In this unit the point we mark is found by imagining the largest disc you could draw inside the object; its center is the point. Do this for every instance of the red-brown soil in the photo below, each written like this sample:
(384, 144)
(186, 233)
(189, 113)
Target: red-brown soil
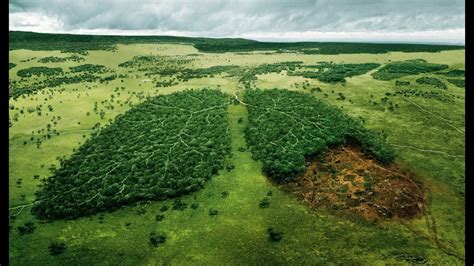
(346, 180)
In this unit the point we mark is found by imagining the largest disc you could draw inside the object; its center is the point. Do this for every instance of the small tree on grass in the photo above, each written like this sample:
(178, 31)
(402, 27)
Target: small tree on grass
(27, 228)
(156, 239)
(56, 248)
(273, 235)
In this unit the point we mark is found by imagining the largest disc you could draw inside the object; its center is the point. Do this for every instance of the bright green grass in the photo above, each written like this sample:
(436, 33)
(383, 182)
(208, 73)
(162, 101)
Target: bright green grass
(238, 234)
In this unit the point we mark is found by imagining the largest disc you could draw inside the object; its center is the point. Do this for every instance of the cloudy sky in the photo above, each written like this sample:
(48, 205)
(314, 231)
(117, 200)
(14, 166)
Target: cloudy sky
(428, 21)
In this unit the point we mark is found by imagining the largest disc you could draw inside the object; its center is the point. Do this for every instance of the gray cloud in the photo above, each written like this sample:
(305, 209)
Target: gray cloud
(219, 18)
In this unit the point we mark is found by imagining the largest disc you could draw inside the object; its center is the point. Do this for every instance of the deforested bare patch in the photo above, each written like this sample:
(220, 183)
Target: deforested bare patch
(346, 180)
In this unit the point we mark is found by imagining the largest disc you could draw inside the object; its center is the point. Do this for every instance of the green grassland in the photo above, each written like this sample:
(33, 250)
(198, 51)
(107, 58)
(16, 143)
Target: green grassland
(427, 135)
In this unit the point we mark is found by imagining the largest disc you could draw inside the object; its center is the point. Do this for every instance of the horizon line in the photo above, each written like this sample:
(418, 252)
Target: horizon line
(263, 39)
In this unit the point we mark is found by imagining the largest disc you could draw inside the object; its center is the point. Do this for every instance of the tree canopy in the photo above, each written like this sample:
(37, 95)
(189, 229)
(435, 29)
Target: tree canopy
(285, 127)
(164, 147)
(404, 68)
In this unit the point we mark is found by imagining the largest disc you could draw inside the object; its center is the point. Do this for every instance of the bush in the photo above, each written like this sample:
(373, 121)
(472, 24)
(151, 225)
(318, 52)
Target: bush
(274, 236)
(402, 83)
(156, 239)
(27, 228)
(230, 167)
(56, 248)
(159, 217)
(179, 205)
(264, 203)
(435, 95)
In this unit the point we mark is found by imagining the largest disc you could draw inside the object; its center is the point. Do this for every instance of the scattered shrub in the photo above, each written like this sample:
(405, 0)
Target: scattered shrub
(402, 83)
(159, 217)
(156, 239)
(56, 248)
(274, 236)
(264, 203)
(27, 228)
(179, 205)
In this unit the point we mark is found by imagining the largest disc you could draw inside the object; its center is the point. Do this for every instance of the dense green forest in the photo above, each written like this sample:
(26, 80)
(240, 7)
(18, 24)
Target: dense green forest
(90, 68)
(455, 73)
(332, 73)
(432, 82)
(82, 43)
(285, 127)
(39, 71)
(457, 82)
(404, 68)
(55, 59)
(318, 47)
(164, 147)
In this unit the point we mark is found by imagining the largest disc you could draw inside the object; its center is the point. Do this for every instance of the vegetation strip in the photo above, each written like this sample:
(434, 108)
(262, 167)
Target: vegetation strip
(432, 81)
(82, 43)
(333, 73)
(404, 68)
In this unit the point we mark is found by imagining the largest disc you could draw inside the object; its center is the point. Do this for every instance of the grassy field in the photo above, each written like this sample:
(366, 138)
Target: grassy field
(428, 136)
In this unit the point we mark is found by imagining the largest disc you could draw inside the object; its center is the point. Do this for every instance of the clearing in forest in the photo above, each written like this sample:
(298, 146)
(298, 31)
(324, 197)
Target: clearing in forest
(345, 179)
